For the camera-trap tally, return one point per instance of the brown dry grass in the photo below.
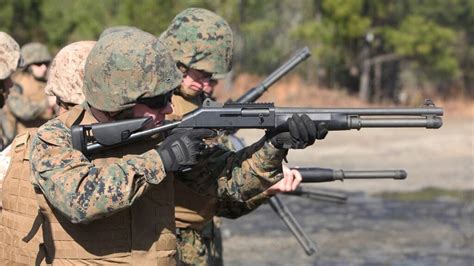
(294, 91)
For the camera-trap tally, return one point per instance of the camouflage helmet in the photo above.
(35, 52)
(66, 74)
(125, 66)
(9, 55)
(116, 29)
(200, 39)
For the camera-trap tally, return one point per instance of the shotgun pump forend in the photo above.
(258, 116)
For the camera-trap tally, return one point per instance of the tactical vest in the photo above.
(20, 217)
(141, 235)
(34, 91)
(193, 210)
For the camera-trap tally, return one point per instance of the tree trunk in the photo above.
(377, 81)
(364, 80)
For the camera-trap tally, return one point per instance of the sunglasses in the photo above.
(157, 102)
(200, 74)
(41, 63)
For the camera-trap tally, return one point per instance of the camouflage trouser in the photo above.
(201, 247)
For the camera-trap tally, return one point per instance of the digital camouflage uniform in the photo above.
(201, 40)
(9, 60)
(66, 79)
(100, 190)
(202, 244)
(27, 105)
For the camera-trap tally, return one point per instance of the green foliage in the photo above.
(6, 15)
(146, 14)
(434, 36)
(69, 21)
(348, 17)
(427, 42)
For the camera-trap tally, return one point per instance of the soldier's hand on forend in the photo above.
(180, 150)
(302, 132)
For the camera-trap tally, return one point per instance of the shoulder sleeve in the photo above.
(249, 172)
(81, 190)
(237, 178)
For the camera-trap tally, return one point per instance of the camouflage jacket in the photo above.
(204, 247)
(23, 107)
(83, 192)
(27, 99)
(242, 193)
(26, 106)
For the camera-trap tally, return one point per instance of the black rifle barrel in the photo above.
(319, 175)
(253, 94)
(280, 208)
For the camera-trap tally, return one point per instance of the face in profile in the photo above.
(196, 82)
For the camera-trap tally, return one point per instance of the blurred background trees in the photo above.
(394, 50)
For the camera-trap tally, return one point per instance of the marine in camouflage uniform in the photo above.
(202, 44)
(65, 83)
(121, 193)
(9, 60)
(201, 40)
(28, 106)
(123, 197)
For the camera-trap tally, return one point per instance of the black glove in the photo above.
(302, 133)
(180, 150)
